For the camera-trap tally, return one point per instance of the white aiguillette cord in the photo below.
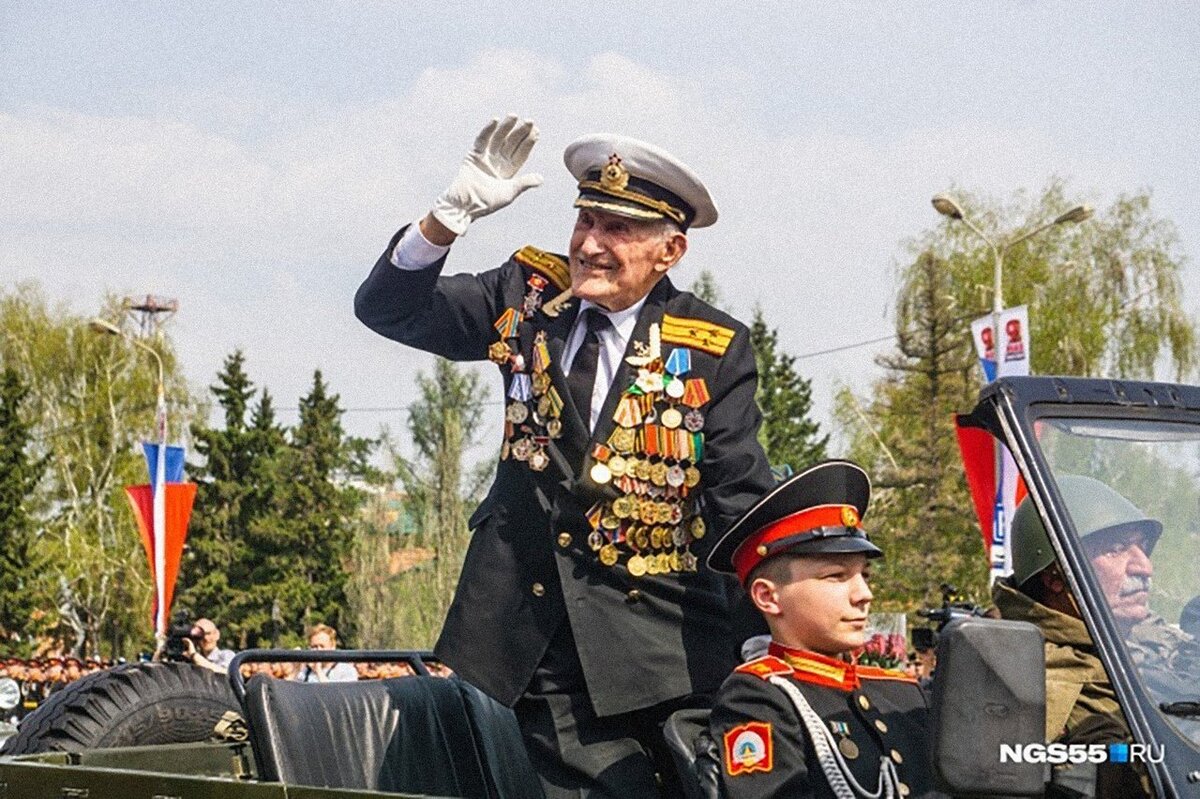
(837, 772)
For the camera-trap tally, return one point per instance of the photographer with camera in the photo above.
(200, 647)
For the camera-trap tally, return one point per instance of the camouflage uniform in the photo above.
(1168, 660)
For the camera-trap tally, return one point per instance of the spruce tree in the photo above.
(790, 437)
(22, 562)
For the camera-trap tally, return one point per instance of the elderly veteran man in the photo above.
(629, 445)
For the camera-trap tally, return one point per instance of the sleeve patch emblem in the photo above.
(748, 748)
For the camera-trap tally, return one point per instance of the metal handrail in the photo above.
(416, 659)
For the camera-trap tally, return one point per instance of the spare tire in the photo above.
(136, 704)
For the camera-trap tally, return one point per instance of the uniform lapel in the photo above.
(571, 445)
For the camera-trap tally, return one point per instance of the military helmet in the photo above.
(1096, 509)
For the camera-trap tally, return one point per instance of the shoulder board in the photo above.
(764, 667)
(553, 267)
(876, 673)
(699, 333)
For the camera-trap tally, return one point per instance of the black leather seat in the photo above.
(423, 735)
(696, 756)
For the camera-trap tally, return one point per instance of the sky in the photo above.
(252, 159)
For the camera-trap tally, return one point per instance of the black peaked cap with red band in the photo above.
(817, 511)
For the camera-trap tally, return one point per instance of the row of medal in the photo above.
(533, 414)
(652, 458)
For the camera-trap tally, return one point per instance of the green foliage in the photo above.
(788, 434)
(440, 491)
(1105, 296)
(22, 561)
(90, 401)
(276, 513)
(1104, 299)
(705, 288)
(921, 514)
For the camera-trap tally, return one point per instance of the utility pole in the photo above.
(150, 312)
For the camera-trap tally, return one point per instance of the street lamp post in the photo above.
(160, 479)
(946, 206)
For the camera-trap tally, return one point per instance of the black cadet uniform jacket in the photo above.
(560, 536)
(872, 713)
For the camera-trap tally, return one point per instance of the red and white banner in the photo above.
(1000, 493)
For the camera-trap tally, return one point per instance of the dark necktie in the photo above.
(582, 379)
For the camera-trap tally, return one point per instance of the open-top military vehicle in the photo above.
(431, 736)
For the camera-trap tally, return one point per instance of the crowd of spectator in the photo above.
(40, 677)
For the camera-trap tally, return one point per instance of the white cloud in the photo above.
(263, 216)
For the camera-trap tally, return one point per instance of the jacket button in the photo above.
(633, 596)
(897, 758)
(881, 726)
(564, 540)
(863, 702)
(538, 589)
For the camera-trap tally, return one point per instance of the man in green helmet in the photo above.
(1118, 539)
(1081, 705)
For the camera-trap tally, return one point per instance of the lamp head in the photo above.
(1079, 213)
(99, 325)
(946, 206)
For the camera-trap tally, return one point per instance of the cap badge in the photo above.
(849, 517)
(614, 176)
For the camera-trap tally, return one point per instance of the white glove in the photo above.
(487, 180)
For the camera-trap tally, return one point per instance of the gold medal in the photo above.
(676, 562)
(671, 418)
(516, 412)
(554, 428)
(538, 460)
(498, 352)
(647, 512)
(848, 748)
(691, 477)
(656, 538)
(643, 470)
(541, 382)
(697, 527)
(623, 440)
(609, 521)
(641, 539)
(658, 474)
(543, 406)
(600, 473)
(609, 555)
(664, 563)
(522, 449)
(618, 465)
(624, 507)
(636, 566)
(631, 466)
(652, 565)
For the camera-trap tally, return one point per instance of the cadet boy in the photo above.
(804, 720)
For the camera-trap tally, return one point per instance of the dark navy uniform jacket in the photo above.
(872, 713)
(641, 640)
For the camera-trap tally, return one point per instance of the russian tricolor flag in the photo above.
(162, 519)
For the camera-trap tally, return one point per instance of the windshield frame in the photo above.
(1009, 408)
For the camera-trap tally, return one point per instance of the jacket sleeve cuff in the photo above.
(414, 251)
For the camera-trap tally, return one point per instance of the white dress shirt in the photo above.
(414, 251)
